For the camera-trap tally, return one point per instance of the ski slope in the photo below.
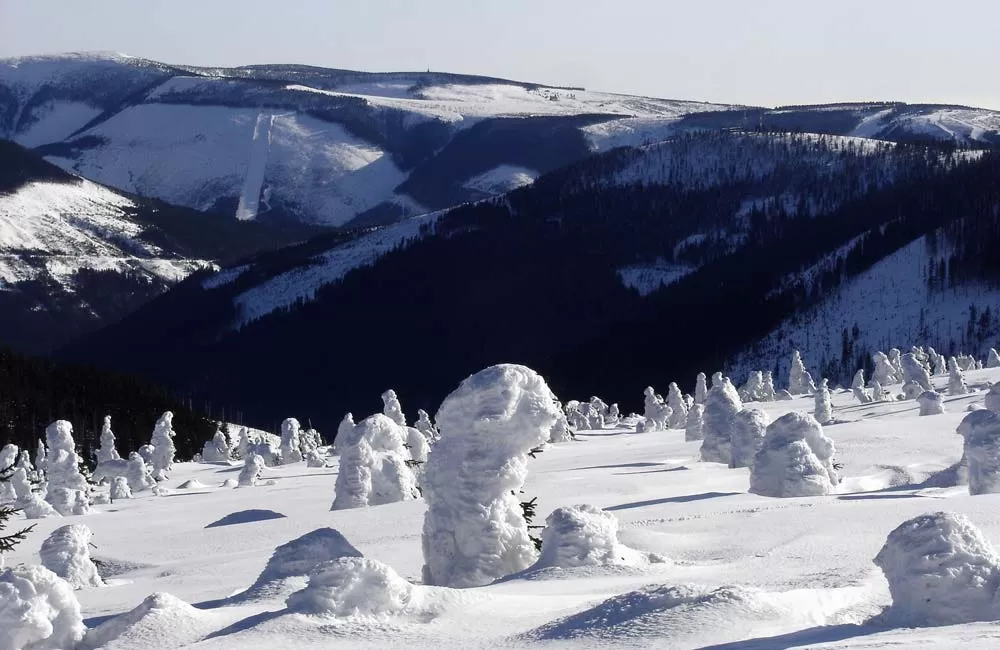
(742, 571)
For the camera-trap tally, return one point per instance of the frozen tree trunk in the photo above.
(823, 403)
(721, 407)
(392, 409)
(66, 553)
(749, 428)
(795, 459)
(474, 530)
(290, 452)
(941, 570)
(700, 389)
(695, 422)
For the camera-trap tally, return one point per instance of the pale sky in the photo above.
(762, 52)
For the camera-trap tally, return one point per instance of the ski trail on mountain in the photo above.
(250, 197)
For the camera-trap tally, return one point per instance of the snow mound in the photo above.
(191, 484)
(660, 611)
(941, 571)
(38, 610)
(161, 621)
(584, 535)
(931, 403)
(352, 586)
(245, 517)
(66, 552)
(291, 563)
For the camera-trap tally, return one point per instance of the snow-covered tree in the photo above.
(68, 492)
(939, 364)
(914, 372)
(768, 393)
(931, 403)
(753, 389)
(656, 412)
(290, 452)
(700, 389)
(879, 393)
(345, 434)
(823, 404)
(895, 356)
(695, 422)
(38, 610)
(41, 456)
(425, 426)
(956, 378)
(749, 427)
(162, 442)
(138, 474)
(66, 553)
(885, 372)
(992, 359)
(391, 479)
(858, 387)
(992, 399)
(941, 570)
(474, 529)
(582, 535)
(721, 407)
(614, 416)
(107, 449)
(216, 450)
(243, 446)
(795, 459)
(392, 409)
(800, 382)
(417, 444)
(120, 489)
(8, 456)
(678, 408)
(560, 431)
(30, 504)
(981, 430)
(253, 465)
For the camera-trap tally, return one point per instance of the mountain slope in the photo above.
(536, 276)
(75, 255)
(300, 143)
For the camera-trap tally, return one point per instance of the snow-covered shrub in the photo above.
(884, 372)
(678, 408)
(120, 489)
(693, 429)
(138, 474)
(582, 535)
(66, 553)
(38, 611)
(992, 399)
(721, 407)
(373, 469)
(749, 427)
(162, 441)
(700, 389)
(107, 449)
(253, 465)
(352, 586)
(425, 426)
(992, 359)
(216, 450)
(291, 563)
(392, 409)
(931, 403)
(656, 412)
(67, 491)
(800, 382)
(981, 430)
(290, 453)
(795, 459)
(941, 571)
(956, 378)
(823, 404)
(474, 529)
(914, 372)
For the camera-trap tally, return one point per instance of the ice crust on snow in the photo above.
(474, 531)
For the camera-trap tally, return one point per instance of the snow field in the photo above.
(744, 571)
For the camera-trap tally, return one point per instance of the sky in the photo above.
(758, 52)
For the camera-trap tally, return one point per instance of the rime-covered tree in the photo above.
(721, 407)
(162, 441)
(824, 405)
(700, 388)
(107, 450)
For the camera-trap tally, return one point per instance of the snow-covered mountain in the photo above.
(334, 146)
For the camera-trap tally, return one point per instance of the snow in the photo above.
(350, 586)
(58, 121)
(746, 571)
(647, 278)
(502, 178)
(66, 553)
(38, 610)
(583, 535)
